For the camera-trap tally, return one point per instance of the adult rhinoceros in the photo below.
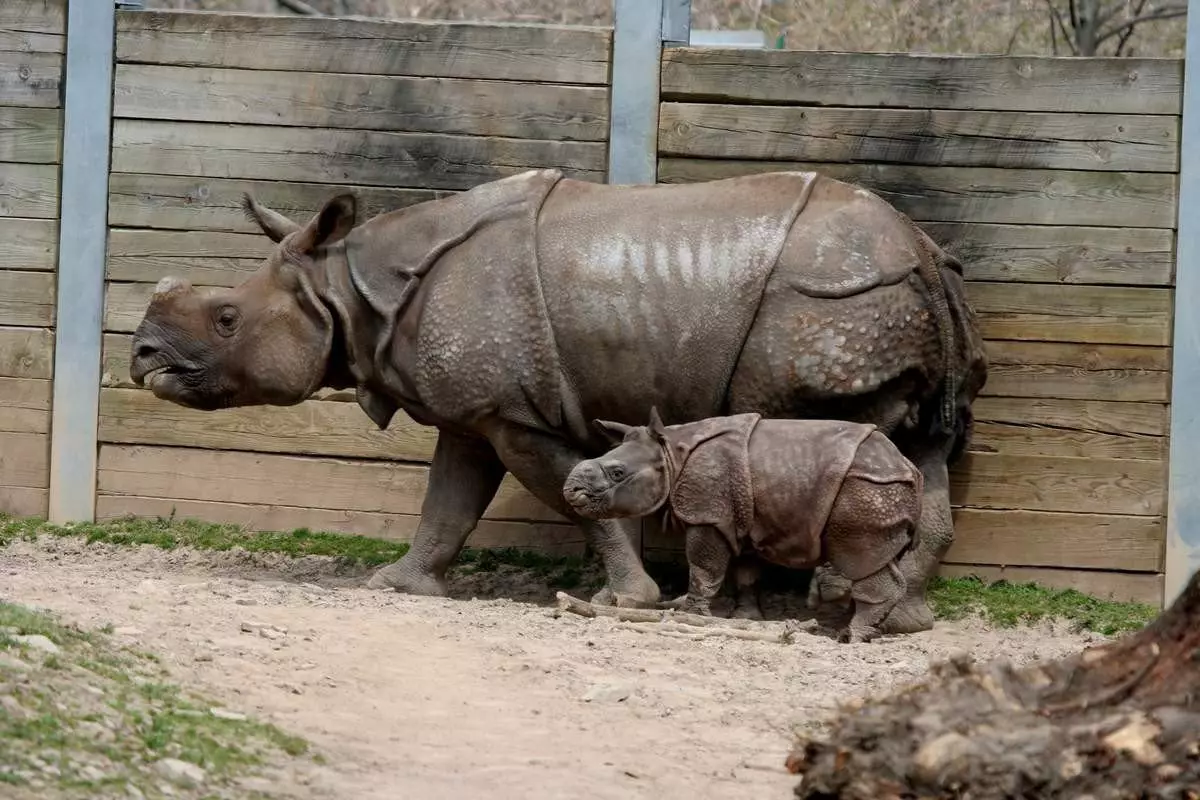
(513, 315)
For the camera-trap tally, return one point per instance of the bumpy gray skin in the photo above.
(510, 315)
(797, 493)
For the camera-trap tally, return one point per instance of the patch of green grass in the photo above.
(1007, 604)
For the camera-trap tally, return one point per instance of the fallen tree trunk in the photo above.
(1119, 720)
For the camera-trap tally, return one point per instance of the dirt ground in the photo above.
(482, 697)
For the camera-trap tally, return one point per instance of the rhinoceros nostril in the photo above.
(143, 351)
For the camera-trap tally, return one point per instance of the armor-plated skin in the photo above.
(510, 315)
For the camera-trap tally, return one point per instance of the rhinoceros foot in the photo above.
(404, 579)
(910, 615)
(645, 595)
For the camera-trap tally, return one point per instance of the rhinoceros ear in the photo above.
(275, 225)
(613, 431)
(331, 223)
(656, 424)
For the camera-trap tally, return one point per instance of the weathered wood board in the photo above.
(370, 102)
(26, 298)
(376, 158)
(29, 190)
(1026, 140)
(31, 79)
(443, 49)
(25, 460)
(34, 16)
(1133, 587)
(26, 352)
(892, 80)
(29, 244)
(30, 135)
(24, 405)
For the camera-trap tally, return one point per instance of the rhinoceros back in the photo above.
(651, 290)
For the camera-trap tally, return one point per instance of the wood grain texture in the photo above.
(1000, 83)
(1092, 314)
(1027, 439)
(979, 194)
(315, 427)
(28, 42)
(1126, 587)
(277, 480)
(30, 79)
(1041, 539)
(369, 102)
(378, 158)
(22, 501)
(26, 353)
(1056, 254)
(546, 537)
(546, 53)
(1078, 371)
(29, 190)
(31, 135)
(24, 405)
(27, 298)
(1046, 483)
(29, 244)
(202, 257)
(25, 460)
(1100, 416)
(34, 16)
(1020, 140)
(214, 204)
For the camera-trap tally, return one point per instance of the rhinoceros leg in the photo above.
(746, 572)
(541, 463)
(463, 479)
(708, 557)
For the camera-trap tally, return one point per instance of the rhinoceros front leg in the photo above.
(463, 478)
(541, 463)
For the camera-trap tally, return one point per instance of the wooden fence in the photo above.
(32, 44)
(1054, 180)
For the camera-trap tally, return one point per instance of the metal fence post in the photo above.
(640, 27)
(82, 240)
(1183, 487)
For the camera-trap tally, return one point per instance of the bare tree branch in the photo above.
(1128, 34)
(1056, 17)
(300, 7)
(1158, 14)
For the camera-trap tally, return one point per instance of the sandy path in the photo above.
(431, 698)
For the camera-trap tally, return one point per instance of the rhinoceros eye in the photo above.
(616, 473)
(228, 318)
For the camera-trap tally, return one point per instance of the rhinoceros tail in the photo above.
(931, 260)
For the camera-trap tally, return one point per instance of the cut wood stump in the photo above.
(1119, 720)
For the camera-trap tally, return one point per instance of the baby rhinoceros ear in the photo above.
(614, 432)
(656, 424)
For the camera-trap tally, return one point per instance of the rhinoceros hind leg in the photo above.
(708, 557)
(746, 572)
(463, 479)
(874, 596)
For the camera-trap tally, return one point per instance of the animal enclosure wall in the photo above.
(1055, 182)
(32, 43)
(296, 110)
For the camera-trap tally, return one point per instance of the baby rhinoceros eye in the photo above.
(227, 320)
(616, 473)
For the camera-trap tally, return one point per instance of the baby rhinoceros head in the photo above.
(629, 480)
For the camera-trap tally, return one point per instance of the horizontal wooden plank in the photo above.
(22, 501)
(1045, 483)
(124, 305)
(27, 298)
(29, 190)
(26, 353)
(314, 427)
(34, 16)
(214, 204)
(370, 102)
(894, 80)
(546, 537)
(1056, 254)
(545, 53)
(24, 405)
(1135, 587)
(321, 155)
(1021, 140)
(278, 480)
(30, 135)
(202, 257)
(27, 42)
(1100, 416)
(1041, 539)
(979, 194)
(29, 244)
(30, 79)
(1092, 314)
(1078, 371)
(25, 460)
(1026, 439)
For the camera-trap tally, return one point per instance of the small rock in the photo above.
(91, 773)
(246, 601)
(221, 713)
(127, 630)
(607, 693)
(38, 642)
(204, 657)
(291, 687)
(12, 662)
(179, 772)
(134, 792)
(271, 633)
(13, 708)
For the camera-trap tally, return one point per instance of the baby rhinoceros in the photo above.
(795, 492)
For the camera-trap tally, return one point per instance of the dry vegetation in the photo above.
(937, 26)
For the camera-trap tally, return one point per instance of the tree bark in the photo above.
(1119, 720)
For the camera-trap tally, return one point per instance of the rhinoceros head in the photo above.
(266, 341)
(629, 480)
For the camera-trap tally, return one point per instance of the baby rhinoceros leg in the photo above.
(874, 596)
(746, 572)
(708, 557)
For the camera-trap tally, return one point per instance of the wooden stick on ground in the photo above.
(676, 630)
(585, 609)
